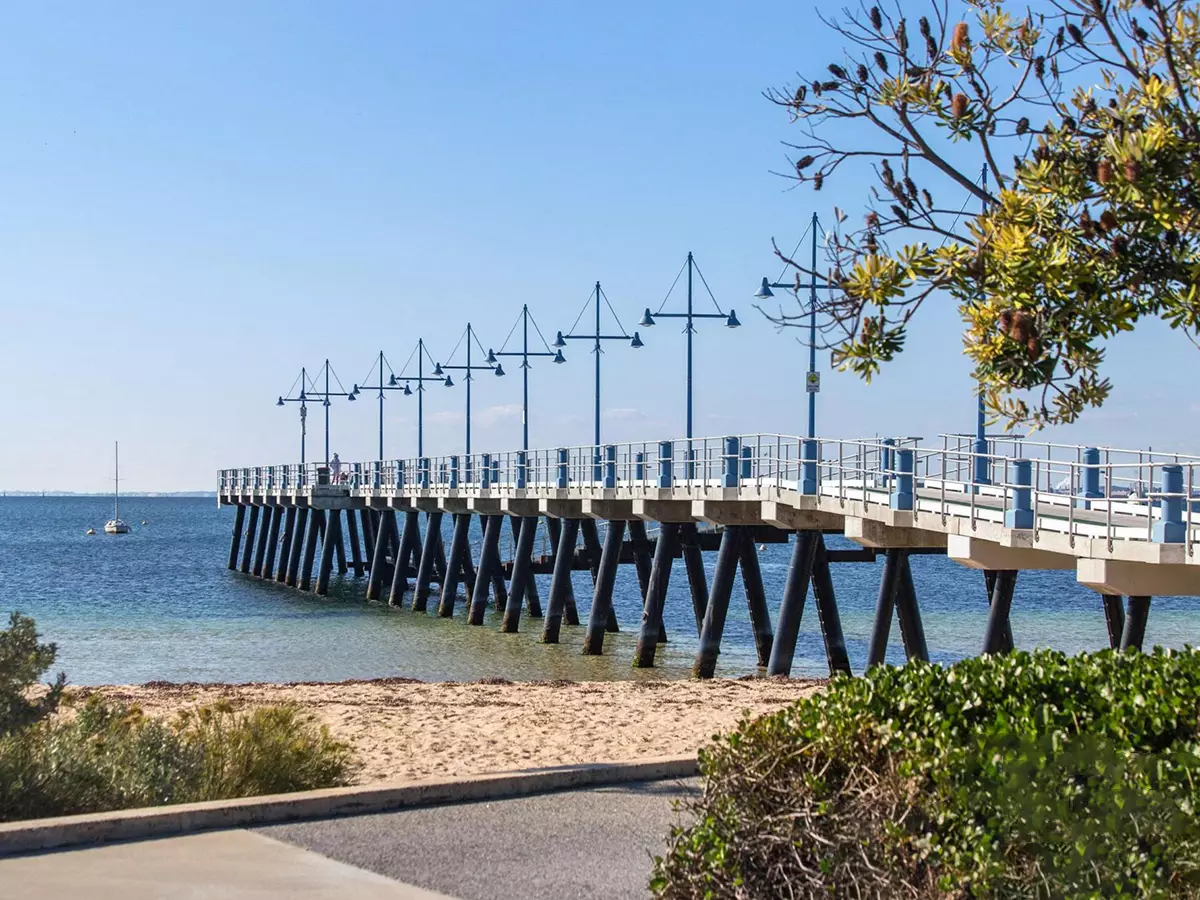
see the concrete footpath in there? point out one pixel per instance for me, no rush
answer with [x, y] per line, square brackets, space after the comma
[587, 843]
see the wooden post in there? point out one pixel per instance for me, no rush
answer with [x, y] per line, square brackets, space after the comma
[912, 631]
[454, 565]
[310, 549]
[285, 545]
[569, 609]
[235, 542]
[1137, 612]
[248, 551]
[791, 610]
[378, 563]
[827, 612]
[489, 561]
[433, 530]
[718, 602]
[356, 556]
[1114, 618]
[693, 558]
[293, 567]
[591, 546]
[328, 547]
[756, 598]
[260, 551]
[1002, 595]
[267, 570]
[560, 581]
[521, 574]
[656, 595]
[610, 558]
[889, 585]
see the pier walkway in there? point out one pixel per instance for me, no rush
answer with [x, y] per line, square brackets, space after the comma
[1125, 521]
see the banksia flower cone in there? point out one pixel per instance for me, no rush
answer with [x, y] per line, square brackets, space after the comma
[962, 37]
[959, 106]
[1104, 171]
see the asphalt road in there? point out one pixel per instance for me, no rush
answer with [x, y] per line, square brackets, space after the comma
[584, 844]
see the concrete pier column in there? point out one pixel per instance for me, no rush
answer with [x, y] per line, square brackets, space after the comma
[756, 598]
[827, 612]
[718, 602]
[884, 607]
[791, 609]
[315, 527]
[260, 551]
[375, 577]
[251, 531]
[521, 574]
[998, 623]
[693, 559]
[333, 530]
[489, 562]
[730, 461]
[433, 533]
[1169, 529]
[1114, 618]
[902, 485]
[285, 545]
[239, 519]
[908, 611]
[656, 595]
[293, 566]
[560, 582]
[593, 642]
[1137, 611]
[267, 567]
[454, 565]
[1020, 512]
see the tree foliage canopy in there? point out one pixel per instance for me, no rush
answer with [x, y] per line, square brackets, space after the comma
[1073, 137]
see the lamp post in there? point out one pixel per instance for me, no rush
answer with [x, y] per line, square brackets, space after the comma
[813, 381]
[981, 468]
[394, 382]
[731, 321]
[560, 341]
[524, 353]
[326, 394]
[302, 399]
[391, 385]
[441, 369]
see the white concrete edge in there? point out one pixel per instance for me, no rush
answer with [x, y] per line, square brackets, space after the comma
[136, 824]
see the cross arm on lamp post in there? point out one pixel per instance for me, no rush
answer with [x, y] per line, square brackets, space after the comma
[525, 354]
[402, 381]
[468, 368]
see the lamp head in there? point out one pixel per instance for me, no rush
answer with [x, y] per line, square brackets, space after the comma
[732, 321]
[326, 402]
[558, 340]
[392, 380]
[352, 397]
[449, 381]
[407, 390]
[499, 370]
[764, 291]
[491, 358]
[437, 370]
[558, 357]
[280, 401]
[647, 319]
[636, 342]
[303, 397]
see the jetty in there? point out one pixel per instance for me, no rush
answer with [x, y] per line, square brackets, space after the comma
[1125, 521]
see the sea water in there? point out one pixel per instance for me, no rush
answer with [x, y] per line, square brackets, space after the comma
[159, 604]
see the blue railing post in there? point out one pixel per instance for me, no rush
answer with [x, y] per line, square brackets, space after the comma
[283, 478]
[376, 475]
[399, 485]
[453, 472]
[522, 468]
[887, 459]
[747, 463]
[666, 461]
[808, 466]
[597, 467]
[691, 462]
[1091, 476]
[423, 471]
[902, 486]
[495, 471]
[564, 473]
[485, 470]
[610, 466]
[982, 468]
[270, 477]
[733, 454]
[640, 466]
[1171, 527]
[1020, 514]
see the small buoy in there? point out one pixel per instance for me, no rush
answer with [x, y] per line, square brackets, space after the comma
[90, 531]
[762, 547]
[143, 521]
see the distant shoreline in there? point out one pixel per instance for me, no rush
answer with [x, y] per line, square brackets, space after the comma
[142, 495]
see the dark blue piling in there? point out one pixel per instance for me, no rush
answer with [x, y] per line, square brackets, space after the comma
[555, 527]
[315, 528]
[601, 612]
[267, 569]
[656, 595]
[489, 562]
[889, 584]
[433, 534]
[251, 529]
[827, 612]
[409, 547]
[1114, 618]
[356, 557]
[756, 598]
[521, 574]
[693, 560]
[998, 621]
[293, 567]
[454, 564]
[791, 609]
[239, 520]
[285, 544]
[260, 551]
[560, 582]
[1137, 611]
[718, 602]
[333, 530]
[387, 520]
[908, 611]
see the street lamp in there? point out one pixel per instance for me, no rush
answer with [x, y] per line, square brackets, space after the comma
[420, 378]
[325, 395]
[524, 353]
[302, 399]
[443, 368]
[560, 341]
[731, 321]
[813, 381]
[391, 385]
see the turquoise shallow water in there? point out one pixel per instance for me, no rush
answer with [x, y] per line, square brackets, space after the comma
[159, 604]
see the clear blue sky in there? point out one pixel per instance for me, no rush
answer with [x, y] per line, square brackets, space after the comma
[197, 199]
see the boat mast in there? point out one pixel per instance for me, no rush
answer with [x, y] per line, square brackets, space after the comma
[116, 476]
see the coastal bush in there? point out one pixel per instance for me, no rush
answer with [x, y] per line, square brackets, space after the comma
[1027, 775]
[102, 755]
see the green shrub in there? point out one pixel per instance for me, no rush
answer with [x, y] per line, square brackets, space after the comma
[1026, 775]
[22, 662]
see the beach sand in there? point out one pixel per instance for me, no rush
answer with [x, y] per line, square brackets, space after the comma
[401, 729]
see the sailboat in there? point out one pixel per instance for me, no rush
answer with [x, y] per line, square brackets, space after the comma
[115, 525]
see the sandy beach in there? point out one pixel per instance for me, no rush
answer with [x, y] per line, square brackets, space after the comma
[401, 729]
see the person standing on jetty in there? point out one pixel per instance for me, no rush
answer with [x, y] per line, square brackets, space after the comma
[335, 469]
